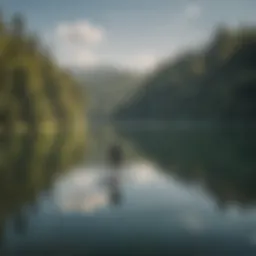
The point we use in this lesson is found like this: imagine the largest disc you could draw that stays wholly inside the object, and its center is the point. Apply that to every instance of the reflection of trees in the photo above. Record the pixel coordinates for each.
(28, 166)
(224, 161)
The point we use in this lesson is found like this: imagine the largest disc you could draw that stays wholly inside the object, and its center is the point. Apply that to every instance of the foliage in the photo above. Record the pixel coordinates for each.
(42, 119)
(29, 164)
(35, 93)
(216, 83)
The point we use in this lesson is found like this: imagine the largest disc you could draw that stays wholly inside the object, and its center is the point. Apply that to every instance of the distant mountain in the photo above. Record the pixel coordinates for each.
(107, 87)
(217, 83)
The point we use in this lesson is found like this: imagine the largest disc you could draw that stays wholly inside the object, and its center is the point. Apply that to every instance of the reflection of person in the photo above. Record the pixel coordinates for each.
(114, 190)
(116, 159)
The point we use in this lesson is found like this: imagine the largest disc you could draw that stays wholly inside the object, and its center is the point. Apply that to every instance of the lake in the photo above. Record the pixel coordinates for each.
(179, 192)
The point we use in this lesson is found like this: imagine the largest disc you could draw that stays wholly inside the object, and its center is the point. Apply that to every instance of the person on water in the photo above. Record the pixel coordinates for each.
(116, 157)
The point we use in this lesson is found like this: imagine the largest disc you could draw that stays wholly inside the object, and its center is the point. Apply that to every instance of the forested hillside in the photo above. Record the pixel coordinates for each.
(35, 94)
(216, 83)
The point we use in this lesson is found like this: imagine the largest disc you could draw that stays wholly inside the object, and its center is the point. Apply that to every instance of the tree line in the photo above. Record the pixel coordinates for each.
(216, 82)
(35, 93)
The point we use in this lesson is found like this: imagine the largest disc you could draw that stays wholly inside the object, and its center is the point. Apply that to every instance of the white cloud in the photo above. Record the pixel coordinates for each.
(80, 32)
(193, 11)
(74, 43)
(81, 44)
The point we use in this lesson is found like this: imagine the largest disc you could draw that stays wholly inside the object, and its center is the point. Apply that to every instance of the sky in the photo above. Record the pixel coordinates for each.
(136, 34)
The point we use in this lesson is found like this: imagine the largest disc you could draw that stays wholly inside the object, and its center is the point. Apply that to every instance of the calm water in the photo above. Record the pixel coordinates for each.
(179, 192)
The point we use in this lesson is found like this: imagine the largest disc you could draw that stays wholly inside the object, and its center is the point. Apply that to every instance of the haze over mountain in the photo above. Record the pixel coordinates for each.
(107, 87)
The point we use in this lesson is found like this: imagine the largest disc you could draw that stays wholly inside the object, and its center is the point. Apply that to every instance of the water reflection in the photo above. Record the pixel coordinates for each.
(115, 190)
(164, 195)
(28, 167)
(89, 189)
(116, 161)
(20, 223)
(222, 161)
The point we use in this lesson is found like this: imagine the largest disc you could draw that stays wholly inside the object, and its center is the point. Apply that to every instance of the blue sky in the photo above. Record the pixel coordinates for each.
(131, 33)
